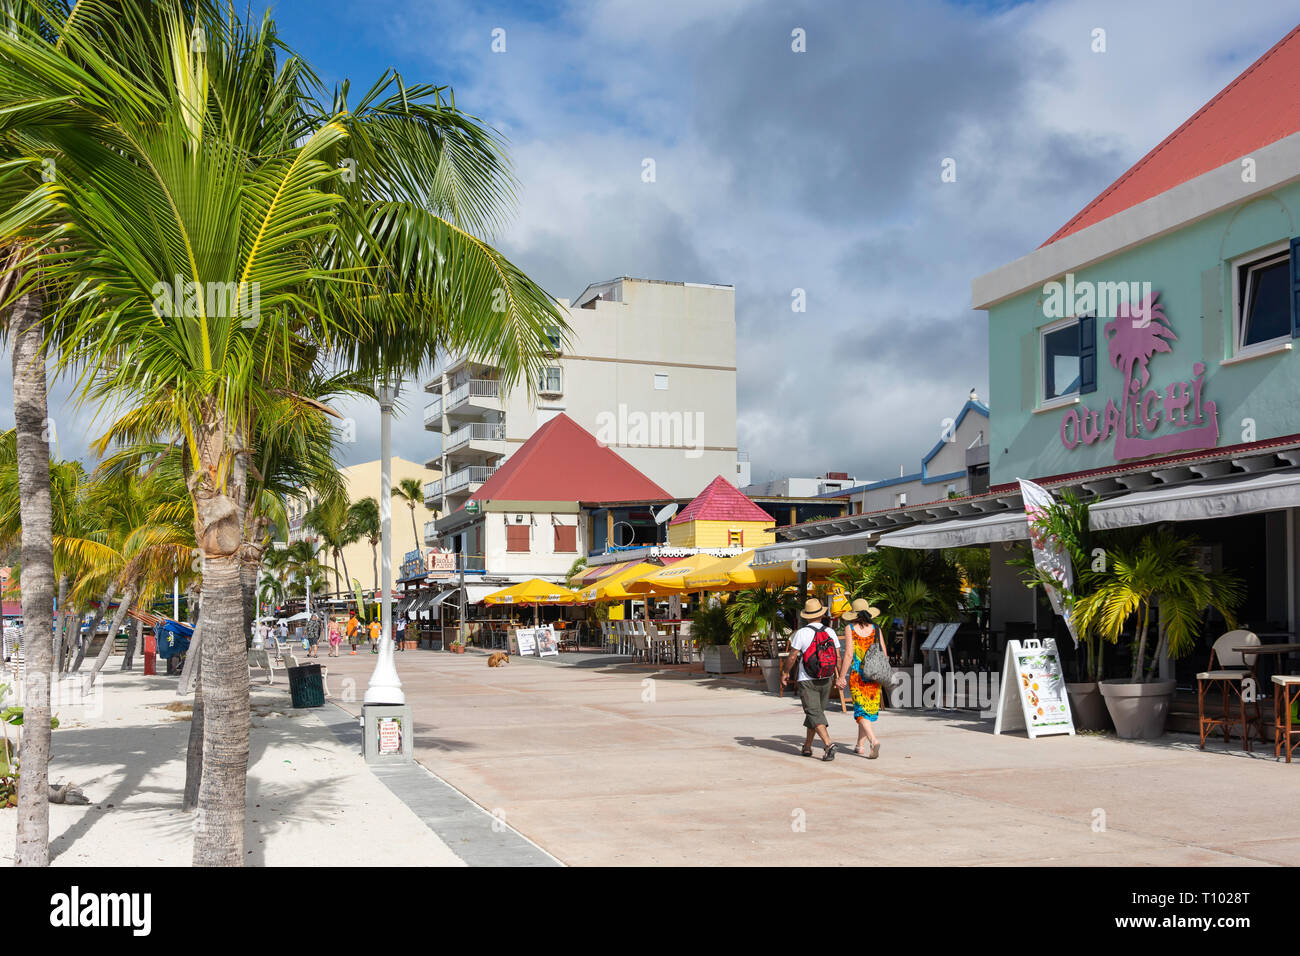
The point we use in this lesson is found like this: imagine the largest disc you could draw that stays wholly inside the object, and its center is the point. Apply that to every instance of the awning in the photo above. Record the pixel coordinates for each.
(960, 532)
(1196, 501)
(832, 546)
(475, 593)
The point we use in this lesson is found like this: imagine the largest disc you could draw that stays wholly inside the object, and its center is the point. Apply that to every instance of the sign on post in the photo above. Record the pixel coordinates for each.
(1034, 669)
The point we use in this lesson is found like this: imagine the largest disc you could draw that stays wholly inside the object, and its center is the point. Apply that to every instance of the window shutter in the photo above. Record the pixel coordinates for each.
(566, 537)
(1295, 287)
(1029, 370)
(1212, 314)
(1087, 354)
(517, 537)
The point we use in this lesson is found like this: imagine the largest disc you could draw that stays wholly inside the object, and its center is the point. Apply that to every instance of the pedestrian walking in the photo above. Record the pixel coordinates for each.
(354, 631)
(315, 623)
(336, 639)
(374, 637)
(814, 651)
(860, 635)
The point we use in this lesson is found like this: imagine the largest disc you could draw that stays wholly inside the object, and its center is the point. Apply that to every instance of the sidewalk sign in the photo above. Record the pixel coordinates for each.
(526, 641)
(1034, 668)
(547, 645)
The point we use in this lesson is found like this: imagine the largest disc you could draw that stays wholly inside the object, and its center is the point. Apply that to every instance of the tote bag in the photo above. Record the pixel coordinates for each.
(875, 668)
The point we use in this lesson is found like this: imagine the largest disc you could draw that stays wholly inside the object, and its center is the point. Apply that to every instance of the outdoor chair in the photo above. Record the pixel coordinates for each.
(261, 658)
(1286, 690)
(640, 647)
(1230, 674)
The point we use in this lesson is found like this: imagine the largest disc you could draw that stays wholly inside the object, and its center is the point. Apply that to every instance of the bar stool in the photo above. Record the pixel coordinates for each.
(1230, 675)
(1287, 691)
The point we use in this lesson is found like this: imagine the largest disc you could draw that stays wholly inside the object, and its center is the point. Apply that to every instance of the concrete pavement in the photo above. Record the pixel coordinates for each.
(616, 763)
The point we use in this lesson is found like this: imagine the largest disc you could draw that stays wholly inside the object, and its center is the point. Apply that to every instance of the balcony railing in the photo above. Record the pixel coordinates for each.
(475, 431)
(471, 475)
(473, 388)
(433, 411)
(433, 489)
(430, 531)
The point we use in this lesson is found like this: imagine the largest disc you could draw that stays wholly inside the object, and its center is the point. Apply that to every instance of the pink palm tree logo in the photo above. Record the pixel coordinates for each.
(1134, 336)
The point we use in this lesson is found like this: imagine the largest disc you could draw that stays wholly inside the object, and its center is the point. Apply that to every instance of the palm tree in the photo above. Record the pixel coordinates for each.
(1159, 572)
(911, 585)
(363, 516)
(412, 492)
(202, 184)
(760, 611)
(329, 520)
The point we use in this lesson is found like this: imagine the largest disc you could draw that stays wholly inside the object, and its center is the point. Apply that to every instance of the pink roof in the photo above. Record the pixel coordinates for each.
(1257, 108)
(721, 501)
(564, 462)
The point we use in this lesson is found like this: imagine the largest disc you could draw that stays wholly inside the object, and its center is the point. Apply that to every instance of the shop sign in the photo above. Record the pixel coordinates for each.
(1145, 421)
(440, 563)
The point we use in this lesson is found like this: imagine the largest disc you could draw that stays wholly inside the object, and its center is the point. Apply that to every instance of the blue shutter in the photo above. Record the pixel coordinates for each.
(1087, 354)
(1295, 287)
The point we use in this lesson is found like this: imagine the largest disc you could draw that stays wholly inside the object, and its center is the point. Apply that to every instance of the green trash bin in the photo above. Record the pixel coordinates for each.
(306, 689)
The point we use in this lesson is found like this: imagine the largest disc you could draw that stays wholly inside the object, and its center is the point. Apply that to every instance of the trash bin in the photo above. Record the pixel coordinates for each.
(306, 689)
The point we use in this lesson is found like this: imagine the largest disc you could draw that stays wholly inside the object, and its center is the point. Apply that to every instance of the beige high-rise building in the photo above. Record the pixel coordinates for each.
(650, 370)
(365, 481)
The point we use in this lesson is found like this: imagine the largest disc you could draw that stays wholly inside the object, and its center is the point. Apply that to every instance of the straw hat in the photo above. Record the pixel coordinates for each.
(861, 606)
(813, 610)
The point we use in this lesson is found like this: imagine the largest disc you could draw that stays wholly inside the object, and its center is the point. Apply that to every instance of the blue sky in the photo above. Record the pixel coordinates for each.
(779, 170)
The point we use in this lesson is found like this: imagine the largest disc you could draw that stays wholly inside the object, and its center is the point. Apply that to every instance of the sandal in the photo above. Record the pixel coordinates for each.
(806, 752)
(830, 753)
(875, 751)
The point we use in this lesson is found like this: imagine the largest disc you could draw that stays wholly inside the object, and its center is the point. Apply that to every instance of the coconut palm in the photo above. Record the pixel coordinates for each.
(213, 245)
(363, 515)
(328, 520)
(1159, 572)
(410, 491)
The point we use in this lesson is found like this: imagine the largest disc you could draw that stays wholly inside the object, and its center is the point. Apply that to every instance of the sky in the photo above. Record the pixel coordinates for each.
(779, 170)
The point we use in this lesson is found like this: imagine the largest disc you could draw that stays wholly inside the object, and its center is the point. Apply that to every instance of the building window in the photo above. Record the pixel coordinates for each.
(517, 537)
(1060, 359)
(549, 379)
(552, 334)
(735, 538)
(566, 537)
(1262, 295)
(900, 499)
(661, 381)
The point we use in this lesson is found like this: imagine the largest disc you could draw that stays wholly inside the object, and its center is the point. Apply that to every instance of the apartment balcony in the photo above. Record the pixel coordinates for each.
(430, 532)
(474, 398)
(467, 480)
(433, 415)
(433, 494)
(476, 438)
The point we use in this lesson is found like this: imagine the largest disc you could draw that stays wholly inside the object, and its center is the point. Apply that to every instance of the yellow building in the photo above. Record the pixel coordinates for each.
(721, 517)
(365, 481)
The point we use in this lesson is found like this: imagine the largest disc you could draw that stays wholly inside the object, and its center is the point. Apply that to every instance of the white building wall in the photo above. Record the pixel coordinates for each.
(541, 560)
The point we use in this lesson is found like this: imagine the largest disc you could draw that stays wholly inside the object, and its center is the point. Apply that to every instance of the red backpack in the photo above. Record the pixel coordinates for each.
(820, 657)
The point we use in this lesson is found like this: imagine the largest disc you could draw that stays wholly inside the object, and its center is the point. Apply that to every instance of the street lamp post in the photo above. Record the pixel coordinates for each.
(385, 686)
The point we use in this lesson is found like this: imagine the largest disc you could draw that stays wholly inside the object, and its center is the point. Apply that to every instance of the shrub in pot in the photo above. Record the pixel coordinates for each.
(712, 632)
(1155, 579)
(761, 612)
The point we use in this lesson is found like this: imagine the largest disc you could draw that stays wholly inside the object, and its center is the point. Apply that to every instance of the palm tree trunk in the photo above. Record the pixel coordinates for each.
(132, 639)
(347, 578)
(374, 552)
(415, 533)
(194, 748)
(104, 602)
(1140, 657)
(31, 416)
(128, 596)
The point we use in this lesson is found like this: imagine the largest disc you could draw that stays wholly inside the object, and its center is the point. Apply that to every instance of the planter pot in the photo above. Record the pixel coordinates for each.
(1087, 706)
(771, 668)
(720, 659)
(1138, 710)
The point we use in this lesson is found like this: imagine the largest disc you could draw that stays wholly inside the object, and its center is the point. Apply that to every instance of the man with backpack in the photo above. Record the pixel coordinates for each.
(815, 651)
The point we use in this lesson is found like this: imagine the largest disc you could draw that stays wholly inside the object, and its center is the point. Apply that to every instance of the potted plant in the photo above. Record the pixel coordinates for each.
(1155, 580)
(761, 612)
(712, 632)
(1066, 523)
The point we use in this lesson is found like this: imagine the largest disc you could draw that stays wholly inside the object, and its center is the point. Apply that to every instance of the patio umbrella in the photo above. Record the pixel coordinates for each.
(611, 587)
(739, 574)
(670, 579)
(534, 591)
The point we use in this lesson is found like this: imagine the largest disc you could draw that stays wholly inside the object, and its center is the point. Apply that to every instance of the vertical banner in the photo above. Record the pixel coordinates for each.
(1049, 557)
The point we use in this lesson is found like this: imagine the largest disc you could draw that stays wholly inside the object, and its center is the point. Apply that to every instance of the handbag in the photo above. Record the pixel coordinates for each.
(875, 668)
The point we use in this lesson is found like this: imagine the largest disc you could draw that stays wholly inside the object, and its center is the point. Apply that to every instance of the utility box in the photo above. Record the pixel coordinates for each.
(389, 733)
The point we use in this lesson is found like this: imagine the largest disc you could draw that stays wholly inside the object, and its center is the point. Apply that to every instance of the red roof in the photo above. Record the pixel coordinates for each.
(1257, 108)
(720, 501)
(563, 462)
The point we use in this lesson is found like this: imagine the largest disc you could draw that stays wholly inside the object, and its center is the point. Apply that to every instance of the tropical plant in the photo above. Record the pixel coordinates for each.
(363, 518)
(1159, 574)
(911, 585)
(709, 624)
(410, 491)
(212, 246)
(760, 612)
(330, 518)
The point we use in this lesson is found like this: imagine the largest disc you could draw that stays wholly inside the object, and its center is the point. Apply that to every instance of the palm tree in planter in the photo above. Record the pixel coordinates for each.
(910, 585)
(762, 612)
(1159, 575)
(712, 632)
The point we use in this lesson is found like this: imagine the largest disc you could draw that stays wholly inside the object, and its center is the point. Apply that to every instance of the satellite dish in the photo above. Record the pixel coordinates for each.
(666, 512)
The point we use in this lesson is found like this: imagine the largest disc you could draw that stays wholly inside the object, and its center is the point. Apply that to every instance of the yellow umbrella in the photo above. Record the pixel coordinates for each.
(610, 588)
(671, 579)
(717, 575)
(819, 569)
(532, 591)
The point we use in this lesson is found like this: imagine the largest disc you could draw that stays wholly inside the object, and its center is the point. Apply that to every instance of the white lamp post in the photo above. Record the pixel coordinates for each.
(385, 686)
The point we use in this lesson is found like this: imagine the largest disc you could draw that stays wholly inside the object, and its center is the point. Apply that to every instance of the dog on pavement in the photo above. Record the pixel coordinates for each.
(498, 658)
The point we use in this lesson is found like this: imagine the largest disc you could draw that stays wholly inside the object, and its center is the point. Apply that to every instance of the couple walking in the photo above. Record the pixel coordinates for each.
(815, 652)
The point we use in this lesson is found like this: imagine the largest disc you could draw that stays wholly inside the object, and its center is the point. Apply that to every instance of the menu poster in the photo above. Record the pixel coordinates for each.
(1034, 670)
(547, 645)
(526, 639)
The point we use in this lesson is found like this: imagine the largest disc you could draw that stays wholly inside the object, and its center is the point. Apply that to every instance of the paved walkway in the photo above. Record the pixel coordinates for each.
(615, 763)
